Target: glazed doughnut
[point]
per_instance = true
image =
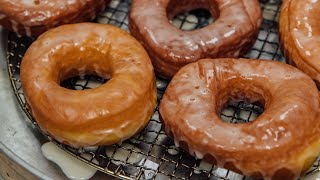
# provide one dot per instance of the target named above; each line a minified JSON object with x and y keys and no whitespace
{"x":33,"y":17}
{"x":299,"y":28}
{"x":105,"y":115}
{"x":280,"y":144}
{"x":231,"y":35}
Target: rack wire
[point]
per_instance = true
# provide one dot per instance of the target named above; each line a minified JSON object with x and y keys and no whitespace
{"x":151,"y":154}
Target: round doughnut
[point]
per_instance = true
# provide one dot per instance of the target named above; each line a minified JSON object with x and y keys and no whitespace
{"x":33,"y":17}
{"x":104,"y":115}
{"x":280,"y":144}
{"x":299,"y":28}
{"x":231,"y":35}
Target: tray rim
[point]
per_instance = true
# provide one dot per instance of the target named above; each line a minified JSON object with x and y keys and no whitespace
{"x":3,"y":148}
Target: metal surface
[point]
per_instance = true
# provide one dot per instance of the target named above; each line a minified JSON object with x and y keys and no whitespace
{"x":21,"y":141}
{"x":18,"y":140}
{"x":157,"y":155}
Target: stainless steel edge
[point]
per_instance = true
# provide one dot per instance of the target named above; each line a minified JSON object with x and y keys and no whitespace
{"x":19,"y":141}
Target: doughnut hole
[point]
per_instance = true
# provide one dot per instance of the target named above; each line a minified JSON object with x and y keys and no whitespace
{"x":83,"y":82}
{"x":78,"y":76}
{"x":187,"y":15}
{"x":241,"y":103}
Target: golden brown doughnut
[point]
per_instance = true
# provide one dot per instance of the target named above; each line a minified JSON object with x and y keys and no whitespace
{"x":33,"y":17}
{"x":299,"y":28}
{"x":280,"y":144}
{"x":231,"y":35}
{"x":105,"y":115}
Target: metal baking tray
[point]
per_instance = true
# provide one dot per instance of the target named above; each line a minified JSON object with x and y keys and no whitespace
{"x":151,"y":154}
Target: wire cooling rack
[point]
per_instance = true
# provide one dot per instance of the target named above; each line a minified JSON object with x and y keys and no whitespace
{"x":151,"y":154}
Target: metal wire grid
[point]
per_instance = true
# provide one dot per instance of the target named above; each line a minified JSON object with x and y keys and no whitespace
{"x":151,"y":154}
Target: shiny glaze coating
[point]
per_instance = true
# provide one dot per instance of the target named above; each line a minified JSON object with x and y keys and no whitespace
{"x":104,"y":115}
{"x":33,"y":17}
{"x":299,"y":28}
{"x":280,"y":144}
{"x":231,"y":35}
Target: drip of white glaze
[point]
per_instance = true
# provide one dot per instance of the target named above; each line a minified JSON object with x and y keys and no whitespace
{"x":198,"y":154}
{"x":72,"y":167}
{"x":14,"y":25}
{"x":28,"y":31}
{"x":176,"y":142}
{"x":120,"y":157}
{"x":173,"y":150}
